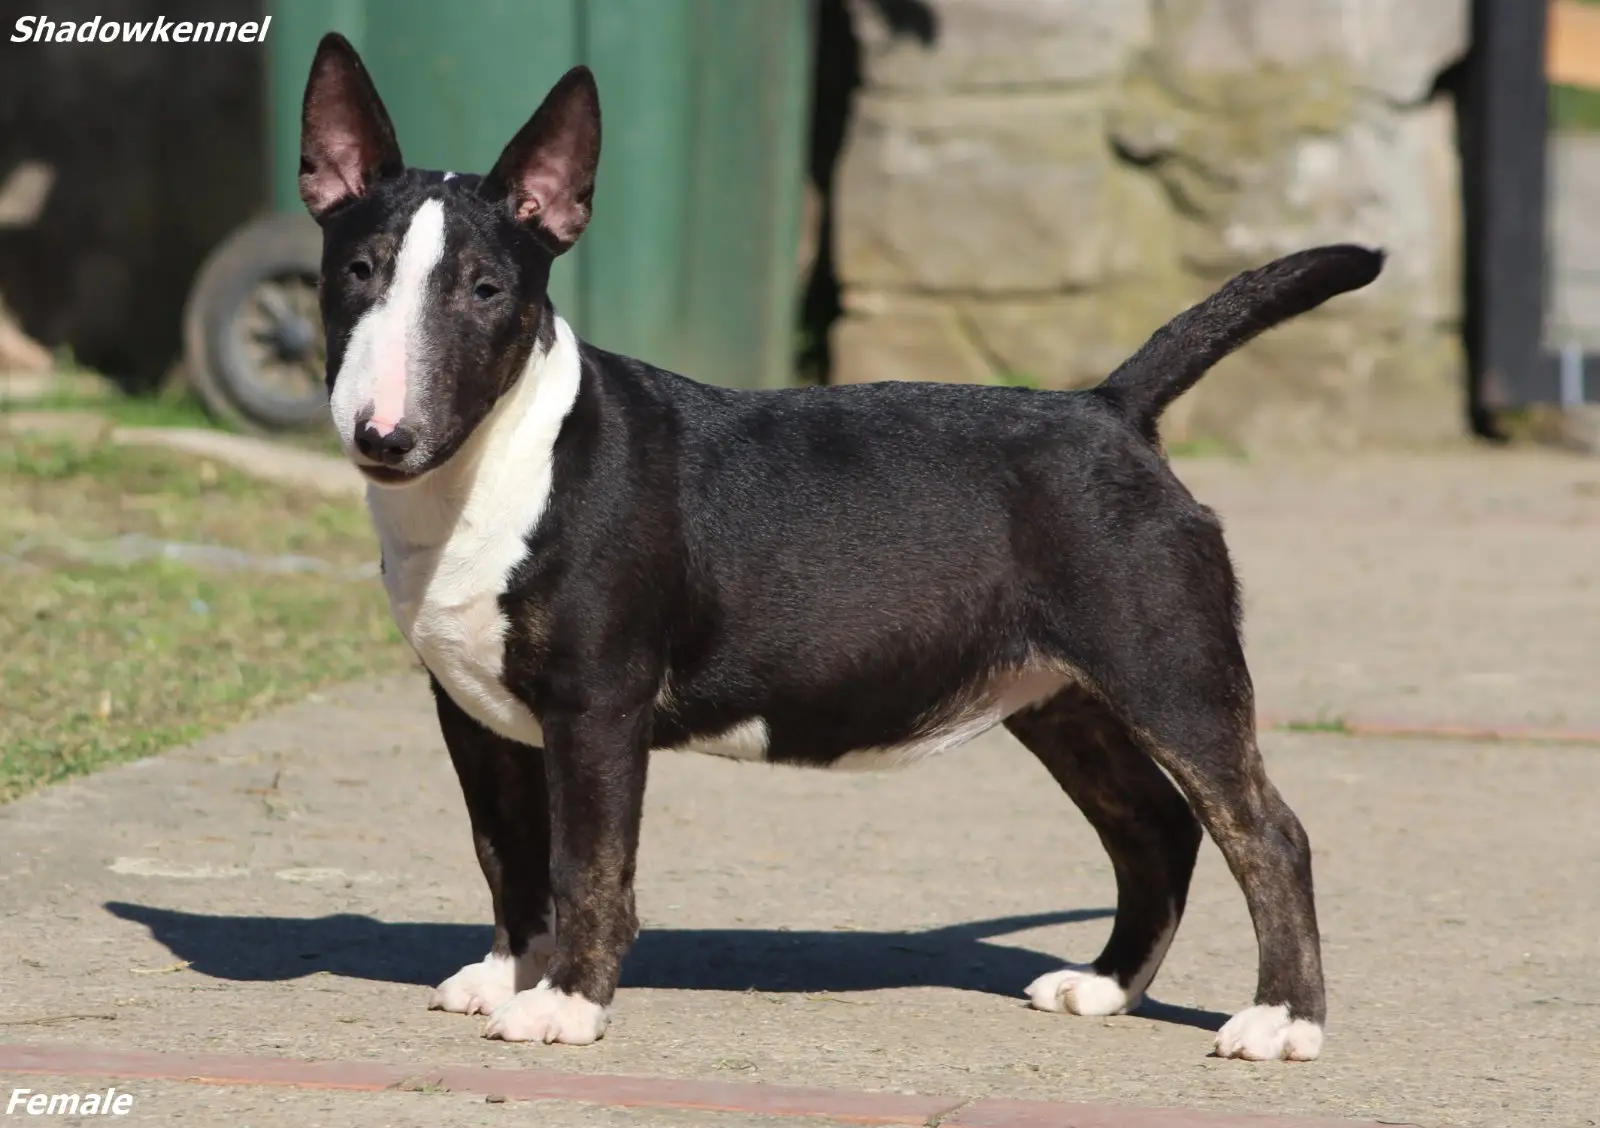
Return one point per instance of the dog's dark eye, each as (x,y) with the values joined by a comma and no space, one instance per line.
(361,269)
(483,291)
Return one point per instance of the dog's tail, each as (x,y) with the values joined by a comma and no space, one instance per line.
(1182,350)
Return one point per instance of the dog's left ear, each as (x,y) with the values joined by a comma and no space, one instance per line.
(546,174)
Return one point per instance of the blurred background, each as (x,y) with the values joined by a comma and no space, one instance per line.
(845,190)
(833,191)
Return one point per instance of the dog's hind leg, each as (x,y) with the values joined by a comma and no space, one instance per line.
(1187,698)
(508,805)
(1147,829)
(1219,767)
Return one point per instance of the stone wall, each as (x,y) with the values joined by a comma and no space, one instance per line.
(1027,196)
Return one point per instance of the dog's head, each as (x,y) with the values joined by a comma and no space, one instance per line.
(433,284)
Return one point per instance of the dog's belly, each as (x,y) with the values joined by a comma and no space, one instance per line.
(941,738)
(967,716)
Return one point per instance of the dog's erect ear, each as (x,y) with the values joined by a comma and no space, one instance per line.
(347,142)
(546,174)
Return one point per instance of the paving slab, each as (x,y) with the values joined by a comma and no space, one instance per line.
(1453,588)
(292,889)
(663,1098)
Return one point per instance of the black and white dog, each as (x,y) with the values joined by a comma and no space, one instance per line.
(596,559)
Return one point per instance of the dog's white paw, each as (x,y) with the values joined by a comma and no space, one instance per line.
(1262,1033)
(477,988)
(483,987)
(1078,990)
(544,1014)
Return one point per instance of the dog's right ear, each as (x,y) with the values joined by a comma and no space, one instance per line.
(347,142)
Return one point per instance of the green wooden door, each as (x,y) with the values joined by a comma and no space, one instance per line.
(690,260)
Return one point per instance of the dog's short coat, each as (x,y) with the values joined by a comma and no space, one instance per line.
(595,558)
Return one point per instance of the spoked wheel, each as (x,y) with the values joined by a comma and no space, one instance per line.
(253,337)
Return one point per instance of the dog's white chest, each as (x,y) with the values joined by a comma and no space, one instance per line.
(451,541)
(446,602)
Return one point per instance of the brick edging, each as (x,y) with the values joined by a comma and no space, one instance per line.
(631,1092)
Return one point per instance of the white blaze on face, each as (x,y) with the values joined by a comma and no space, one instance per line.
(379,368)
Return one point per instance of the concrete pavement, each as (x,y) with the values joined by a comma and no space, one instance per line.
(292,888)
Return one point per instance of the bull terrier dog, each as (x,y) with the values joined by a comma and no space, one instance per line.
(597,559)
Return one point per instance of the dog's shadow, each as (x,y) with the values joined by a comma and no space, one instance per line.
(960,956)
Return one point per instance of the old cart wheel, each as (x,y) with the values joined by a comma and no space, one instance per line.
(253,338)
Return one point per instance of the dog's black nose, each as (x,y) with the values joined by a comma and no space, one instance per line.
(387,449)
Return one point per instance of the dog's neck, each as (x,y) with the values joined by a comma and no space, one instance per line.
(509,452)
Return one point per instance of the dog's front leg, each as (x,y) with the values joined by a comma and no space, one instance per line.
(503,783)
(595,763)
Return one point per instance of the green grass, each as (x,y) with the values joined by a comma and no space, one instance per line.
(1205,448)
(178,407)
(1574,109)
(100,664)
(156,409)
(1335,725)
